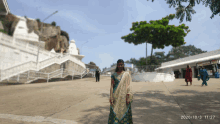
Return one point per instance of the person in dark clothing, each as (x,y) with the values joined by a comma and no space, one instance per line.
(188,76)
(178,74)
(97,75)
(203,75)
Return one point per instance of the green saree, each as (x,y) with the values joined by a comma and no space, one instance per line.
(120,112)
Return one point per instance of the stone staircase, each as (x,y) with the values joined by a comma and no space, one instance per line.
(27,72)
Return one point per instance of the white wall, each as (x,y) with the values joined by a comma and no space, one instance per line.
(11,56)
(152,77)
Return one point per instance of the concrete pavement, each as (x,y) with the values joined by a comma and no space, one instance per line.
(84,101)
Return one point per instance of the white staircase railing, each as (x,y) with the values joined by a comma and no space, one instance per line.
(13,71)
(61,73)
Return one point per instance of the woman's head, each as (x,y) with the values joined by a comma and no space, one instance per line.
(120,65)
(188,66)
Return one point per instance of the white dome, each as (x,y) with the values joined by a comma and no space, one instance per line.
(72,41)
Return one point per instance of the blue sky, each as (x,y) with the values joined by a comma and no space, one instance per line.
(97,25)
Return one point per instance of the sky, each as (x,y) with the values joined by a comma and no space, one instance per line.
(98,25)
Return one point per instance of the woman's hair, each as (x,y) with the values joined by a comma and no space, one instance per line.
(119,61)
(188,66)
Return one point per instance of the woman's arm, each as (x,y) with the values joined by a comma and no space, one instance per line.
(111,91)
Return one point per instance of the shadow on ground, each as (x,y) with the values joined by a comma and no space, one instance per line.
(156,107)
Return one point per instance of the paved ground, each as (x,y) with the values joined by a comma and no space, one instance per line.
(85,101)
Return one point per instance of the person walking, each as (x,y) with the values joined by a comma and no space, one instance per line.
(120,96)
(97,75)
(203,74)
(188,76)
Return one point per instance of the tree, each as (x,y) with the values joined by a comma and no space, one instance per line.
(113,64)
(53,23)
(160,56)
(181,10)
(158,33)
(183,51)
(38,20)
(103,69)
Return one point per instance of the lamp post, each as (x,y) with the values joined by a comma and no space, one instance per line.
(39,39)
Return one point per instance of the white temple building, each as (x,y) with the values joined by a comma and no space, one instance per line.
(21,55)
(72,48)
(74,51)
(21,33)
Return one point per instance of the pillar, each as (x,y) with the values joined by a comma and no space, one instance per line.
(193,72)
(181,75)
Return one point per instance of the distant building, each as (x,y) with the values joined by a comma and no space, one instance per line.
(209,60)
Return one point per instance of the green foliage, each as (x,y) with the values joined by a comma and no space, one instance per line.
(181,10)
(38,20)
(25,16)
(3,31)
(53,23)
(63,33)
(174,53)
(183,51)
(158,33)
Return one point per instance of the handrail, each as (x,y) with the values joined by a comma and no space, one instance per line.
(18,65)
(30,63)
(54,71)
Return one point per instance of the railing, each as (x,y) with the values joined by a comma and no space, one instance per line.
(13,71)
(211,53)
(9,72)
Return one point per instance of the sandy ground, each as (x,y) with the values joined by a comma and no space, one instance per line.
(84,101)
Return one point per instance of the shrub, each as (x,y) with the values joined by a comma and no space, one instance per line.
(63,33)
(1,30)
(53,23)
(38,20)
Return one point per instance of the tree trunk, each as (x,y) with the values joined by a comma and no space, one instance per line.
(146,52)
(151,54)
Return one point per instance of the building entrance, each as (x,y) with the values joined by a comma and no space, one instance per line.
(184,72)
(195,72)
(177,74)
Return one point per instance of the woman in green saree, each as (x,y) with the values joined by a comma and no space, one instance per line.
(120,96)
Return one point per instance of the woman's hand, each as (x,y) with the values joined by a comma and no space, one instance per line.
(111,101)
(127,102)
(127,99)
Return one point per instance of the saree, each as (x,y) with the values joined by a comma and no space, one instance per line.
(120,112)
(188,76)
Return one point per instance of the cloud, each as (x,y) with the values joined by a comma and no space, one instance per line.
(74,15)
